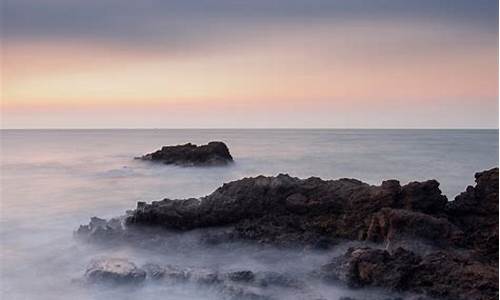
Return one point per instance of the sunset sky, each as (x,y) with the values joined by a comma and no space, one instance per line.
(239,64)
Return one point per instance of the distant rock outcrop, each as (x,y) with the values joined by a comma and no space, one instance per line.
(212,154)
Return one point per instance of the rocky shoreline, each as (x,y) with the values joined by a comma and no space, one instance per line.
(411,238)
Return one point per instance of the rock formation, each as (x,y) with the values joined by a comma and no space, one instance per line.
(427,245)
(212,154)
(441,274)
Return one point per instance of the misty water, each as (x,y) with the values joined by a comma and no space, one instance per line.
(54,180)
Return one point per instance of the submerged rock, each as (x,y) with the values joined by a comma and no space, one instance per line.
(212,154)
(114,271)
(208,276)
(242,284)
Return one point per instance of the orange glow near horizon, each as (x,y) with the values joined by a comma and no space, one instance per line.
(345,67)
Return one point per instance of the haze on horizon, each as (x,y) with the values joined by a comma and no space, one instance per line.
(249,64)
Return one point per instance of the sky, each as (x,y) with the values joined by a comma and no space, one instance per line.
(249,64)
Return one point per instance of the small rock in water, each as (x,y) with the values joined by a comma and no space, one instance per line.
(212,154)
(241,276)
(114,271)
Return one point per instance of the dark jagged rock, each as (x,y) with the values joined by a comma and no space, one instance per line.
(423,197)
(285,209)
(413,230)
(432,247)
(450,275)
(475,211)
(441,274)
(212,154)
(114,271)
(360,267)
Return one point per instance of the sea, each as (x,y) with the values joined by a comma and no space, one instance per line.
(54,180)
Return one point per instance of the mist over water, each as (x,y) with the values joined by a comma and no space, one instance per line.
(54,180)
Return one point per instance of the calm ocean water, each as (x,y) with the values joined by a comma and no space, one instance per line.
(54,180)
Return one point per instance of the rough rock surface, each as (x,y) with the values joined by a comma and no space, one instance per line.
(101,230)
(286,210)
(475,211)
(114,271)
(242,284)
(212,154)
(207,276)
(413,230)
(441,274)
(428,245)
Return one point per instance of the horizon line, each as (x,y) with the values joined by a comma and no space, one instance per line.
(254,128)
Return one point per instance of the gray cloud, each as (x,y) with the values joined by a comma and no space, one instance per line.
(192,23)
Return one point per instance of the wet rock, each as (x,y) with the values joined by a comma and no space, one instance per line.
(212,154)
(413,230)
(444,275)
(218,237)
(212,277)
(423,197)
(265,279)
(242,284)
(168,272)
(475,211)
(371,267)
(118,271)
(101,230)
(451,275)
(271,206)
(410,297)
(297,203)
(177,274)
(241,292)
(114,271)
(447,250)
(277,279)
(287,210)
(241,276)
